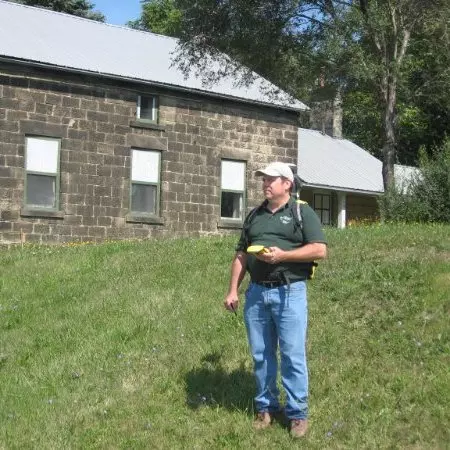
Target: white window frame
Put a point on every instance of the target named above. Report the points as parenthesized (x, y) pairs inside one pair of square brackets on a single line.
[(234, 188), (148, 182), (56, 174), (154, 100)]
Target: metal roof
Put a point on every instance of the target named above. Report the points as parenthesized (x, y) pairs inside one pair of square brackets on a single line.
[(329, 163), (67, 42)]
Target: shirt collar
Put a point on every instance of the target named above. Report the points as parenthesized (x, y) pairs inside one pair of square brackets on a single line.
[(281, 208)]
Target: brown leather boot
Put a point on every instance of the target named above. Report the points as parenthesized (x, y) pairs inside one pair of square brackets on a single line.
[(299, 427), (262, 421)]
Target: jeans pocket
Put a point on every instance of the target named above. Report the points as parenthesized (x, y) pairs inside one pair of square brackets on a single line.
[(296, 292), (249, 289)]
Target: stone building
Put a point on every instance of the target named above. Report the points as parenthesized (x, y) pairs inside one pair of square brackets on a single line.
[(100, 138)]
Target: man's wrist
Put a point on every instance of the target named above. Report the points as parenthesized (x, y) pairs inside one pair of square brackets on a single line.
[(284, 257)]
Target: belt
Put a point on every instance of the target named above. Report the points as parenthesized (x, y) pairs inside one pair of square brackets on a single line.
[(271, 284)]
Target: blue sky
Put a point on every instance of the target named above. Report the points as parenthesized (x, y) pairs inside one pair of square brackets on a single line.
[(118, 12)]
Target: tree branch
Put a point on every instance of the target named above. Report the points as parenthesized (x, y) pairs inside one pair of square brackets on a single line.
[(363, 7), (404, 46), (312, 19), (394, 29), (329, 7), (365, 13)]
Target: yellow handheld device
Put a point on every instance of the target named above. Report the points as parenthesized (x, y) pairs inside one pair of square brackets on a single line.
[(257, 249)]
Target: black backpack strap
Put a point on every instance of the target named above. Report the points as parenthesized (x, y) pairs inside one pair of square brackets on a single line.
[(248, 220)]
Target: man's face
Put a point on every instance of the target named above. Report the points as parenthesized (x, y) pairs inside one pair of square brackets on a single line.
[(275, 187)]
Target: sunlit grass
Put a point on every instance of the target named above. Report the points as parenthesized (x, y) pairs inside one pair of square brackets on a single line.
[(127, 345)]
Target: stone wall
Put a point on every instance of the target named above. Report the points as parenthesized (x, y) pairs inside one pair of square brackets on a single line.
[(95, 120)]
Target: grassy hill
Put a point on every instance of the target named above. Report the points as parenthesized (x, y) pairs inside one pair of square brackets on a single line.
[(127, 345)]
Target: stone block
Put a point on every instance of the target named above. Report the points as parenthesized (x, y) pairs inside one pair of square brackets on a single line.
[(5, 226), (73, 220), (104, 221), (149, 142), (53, 99), (103, 127), (42, 128), (72, 102), (23, 227), (9, 126), (9, 103), (77, 134)]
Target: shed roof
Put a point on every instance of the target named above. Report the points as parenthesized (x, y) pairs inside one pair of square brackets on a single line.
[(338, 164), (40, 36)]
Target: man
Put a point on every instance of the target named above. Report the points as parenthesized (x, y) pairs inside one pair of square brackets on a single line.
[(275, 309)]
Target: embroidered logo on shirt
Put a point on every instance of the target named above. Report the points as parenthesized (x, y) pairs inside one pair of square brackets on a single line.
[(285, 219)]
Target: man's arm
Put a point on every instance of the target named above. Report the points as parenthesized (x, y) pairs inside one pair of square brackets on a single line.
[(238, 268), (306, 253)]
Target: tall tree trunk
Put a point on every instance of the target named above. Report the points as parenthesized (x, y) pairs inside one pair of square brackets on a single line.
[(390, 44), (389, 146), (337, 113), (389, 90)]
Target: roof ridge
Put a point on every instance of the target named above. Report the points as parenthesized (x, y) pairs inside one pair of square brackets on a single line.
[(72, 16)]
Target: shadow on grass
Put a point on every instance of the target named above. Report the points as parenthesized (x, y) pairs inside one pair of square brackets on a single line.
[(211, 385)]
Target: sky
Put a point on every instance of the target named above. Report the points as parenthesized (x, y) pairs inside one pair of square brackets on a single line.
[(118, 12)]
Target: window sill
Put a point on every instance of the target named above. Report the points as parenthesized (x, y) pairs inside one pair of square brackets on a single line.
[(136, 218), (44, 213), (230, 223), (149, 125)]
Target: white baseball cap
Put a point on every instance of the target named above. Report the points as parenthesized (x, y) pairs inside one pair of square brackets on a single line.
[(277, 169)]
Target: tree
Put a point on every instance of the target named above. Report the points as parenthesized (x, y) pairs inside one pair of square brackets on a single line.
[(425, 197), (427, 85), (387, 27), (159, 16), (80, 8), (351, 43), (423, 105)]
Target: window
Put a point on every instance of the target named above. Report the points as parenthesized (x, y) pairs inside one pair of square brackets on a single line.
[(322, 206), (145, 181), (233, 188), (147, 108), (42, 173)]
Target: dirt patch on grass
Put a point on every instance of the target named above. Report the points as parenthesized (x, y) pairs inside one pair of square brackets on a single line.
[(443, 280), (443, 257)]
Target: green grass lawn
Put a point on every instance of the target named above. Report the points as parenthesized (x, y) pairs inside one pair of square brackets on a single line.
[(127, 345)]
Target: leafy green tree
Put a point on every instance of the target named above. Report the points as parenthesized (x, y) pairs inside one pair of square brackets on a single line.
[(423, 105), (362, 120), (80, 8), (425, 91), (426, 196), (159, 16), (294, 42)]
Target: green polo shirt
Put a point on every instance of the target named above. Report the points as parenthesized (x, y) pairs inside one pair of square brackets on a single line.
[(280, 229)]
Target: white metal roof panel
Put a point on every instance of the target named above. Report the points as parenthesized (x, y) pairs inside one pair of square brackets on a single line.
[(56, 39), (337, 163)]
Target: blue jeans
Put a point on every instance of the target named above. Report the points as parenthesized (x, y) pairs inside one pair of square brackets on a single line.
[(278, 316)]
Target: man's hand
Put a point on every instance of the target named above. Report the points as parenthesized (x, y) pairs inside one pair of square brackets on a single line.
[(231, 301), (273, 256)]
